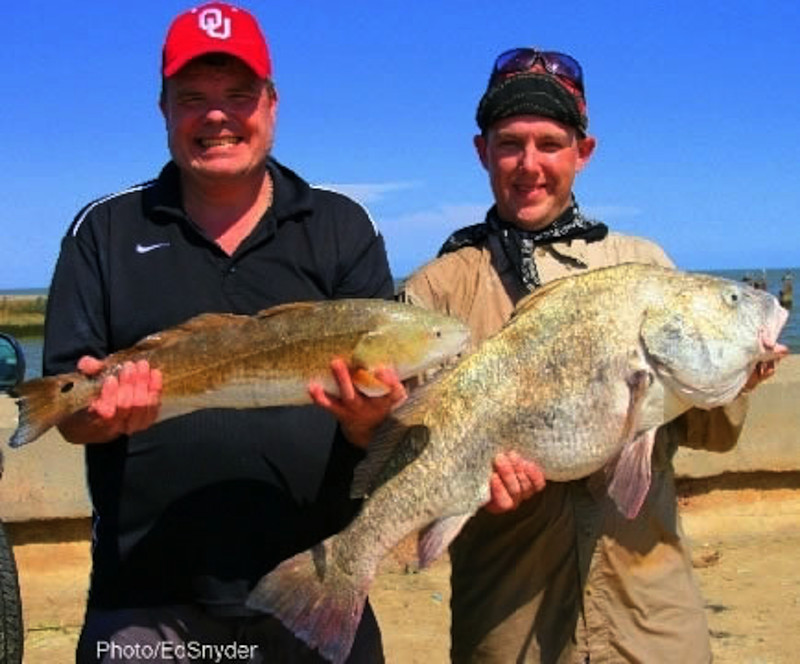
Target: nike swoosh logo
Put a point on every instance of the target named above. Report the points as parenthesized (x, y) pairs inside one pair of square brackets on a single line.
[(146, 248)]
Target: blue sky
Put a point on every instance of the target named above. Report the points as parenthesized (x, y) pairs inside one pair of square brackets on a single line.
[(695, 105)]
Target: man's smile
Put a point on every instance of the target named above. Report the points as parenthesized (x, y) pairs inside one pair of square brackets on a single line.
[(218, 142)]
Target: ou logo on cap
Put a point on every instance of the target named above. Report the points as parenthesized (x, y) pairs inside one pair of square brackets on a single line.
[(214, 24)]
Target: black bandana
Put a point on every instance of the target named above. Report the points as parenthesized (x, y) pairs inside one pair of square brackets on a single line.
[(532, 94), (519, 244)]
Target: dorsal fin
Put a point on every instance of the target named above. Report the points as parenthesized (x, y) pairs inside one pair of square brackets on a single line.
[(398, 441), (173, 334), (279, 309), (529, 301)]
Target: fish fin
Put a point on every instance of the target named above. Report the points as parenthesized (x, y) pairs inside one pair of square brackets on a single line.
[(368, 385), (639, 382), (40, 406), (530, 301), (316, 600), (393, 448), (283, 308), (171, 335), (436, 537), (404, 430), (630, 474), (210, 320)]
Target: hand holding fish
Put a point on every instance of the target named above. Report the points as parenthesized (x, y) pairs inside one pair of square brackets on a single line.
[(128, 402), (761, 372), (513, 481), (359, 415)]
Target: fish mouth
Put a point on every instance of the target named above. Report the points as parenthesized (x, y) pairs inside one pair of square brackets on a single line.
[(768, 339), (771, 350), (455, 346)]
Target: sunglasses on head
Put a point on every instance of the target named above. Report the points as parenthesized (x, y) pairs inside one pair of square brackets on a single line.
[(519, 60)]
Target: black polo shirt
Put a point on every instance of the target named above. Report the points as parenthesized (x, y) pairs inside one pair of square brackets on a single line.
[(198, 507)]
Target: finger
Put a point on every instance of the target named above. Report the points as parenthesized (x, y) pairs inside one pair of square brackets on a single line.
[(535, 475), (322, 399), (529, 475), (105, 406), (761, 372), (155, 387), (504, 467), (126, 386), (319, 396), (519, 466), (140, 389), (90, 365), (145, 386), (388, 376), (347, 391), (500, 500), (525, 486), (397, 391)]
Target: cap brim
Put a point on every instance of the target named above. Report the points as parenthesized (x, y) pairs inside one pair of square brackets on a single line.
[(260, 69)]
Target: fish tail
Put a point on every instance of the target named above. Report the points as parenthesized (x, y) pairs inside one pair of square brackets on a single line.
[(42, 403), (315, 599)]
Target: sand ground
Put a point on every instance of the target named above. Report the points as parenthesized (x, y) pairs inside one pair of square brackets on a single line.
[(746, 552)]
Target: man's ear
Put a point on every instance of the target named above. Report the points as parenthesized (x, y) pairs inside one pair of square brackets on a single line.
[(479, 141), (586, 148)]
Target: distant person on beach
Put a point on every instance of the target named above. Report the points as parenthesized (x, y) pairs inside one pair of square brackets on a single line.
[(786, 295), (190, 513), (560, 576)]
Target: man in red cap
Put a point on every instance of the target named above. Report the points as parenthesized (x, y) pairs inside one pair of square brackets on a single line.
[(188, 514), (556, 574)]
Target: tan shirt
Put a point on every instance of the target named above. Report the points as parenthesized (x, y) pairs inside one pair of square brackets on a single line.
[(565, 577)]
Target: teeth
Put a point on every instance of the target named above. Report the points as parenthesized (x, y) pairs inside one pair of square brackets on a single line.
[(218, 142)]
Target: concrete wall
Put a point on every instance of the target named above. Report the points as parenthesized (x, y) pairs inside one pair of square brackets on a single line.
[(771, 437), (45, 480)]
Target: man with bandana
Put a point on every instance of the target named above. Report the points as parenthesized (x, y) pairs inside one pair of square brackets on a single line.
[(556, 574)]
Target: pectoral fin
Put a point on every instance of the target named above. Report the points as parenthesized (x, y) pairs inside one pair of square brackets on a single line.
[(437, 536), (392, 449), (629, 474), (368, 385), (630, 477)]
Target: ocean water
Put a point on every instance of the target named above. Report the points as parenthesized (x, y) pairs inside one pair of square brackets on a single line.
[(32, 346)]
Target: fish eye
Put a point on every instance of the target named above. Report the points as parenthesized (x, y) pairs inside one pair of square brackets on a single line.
[(732, 297)]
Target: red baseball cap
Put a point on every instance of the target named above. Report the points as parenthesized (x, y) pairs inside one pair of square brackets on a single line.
[(216, 27)]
